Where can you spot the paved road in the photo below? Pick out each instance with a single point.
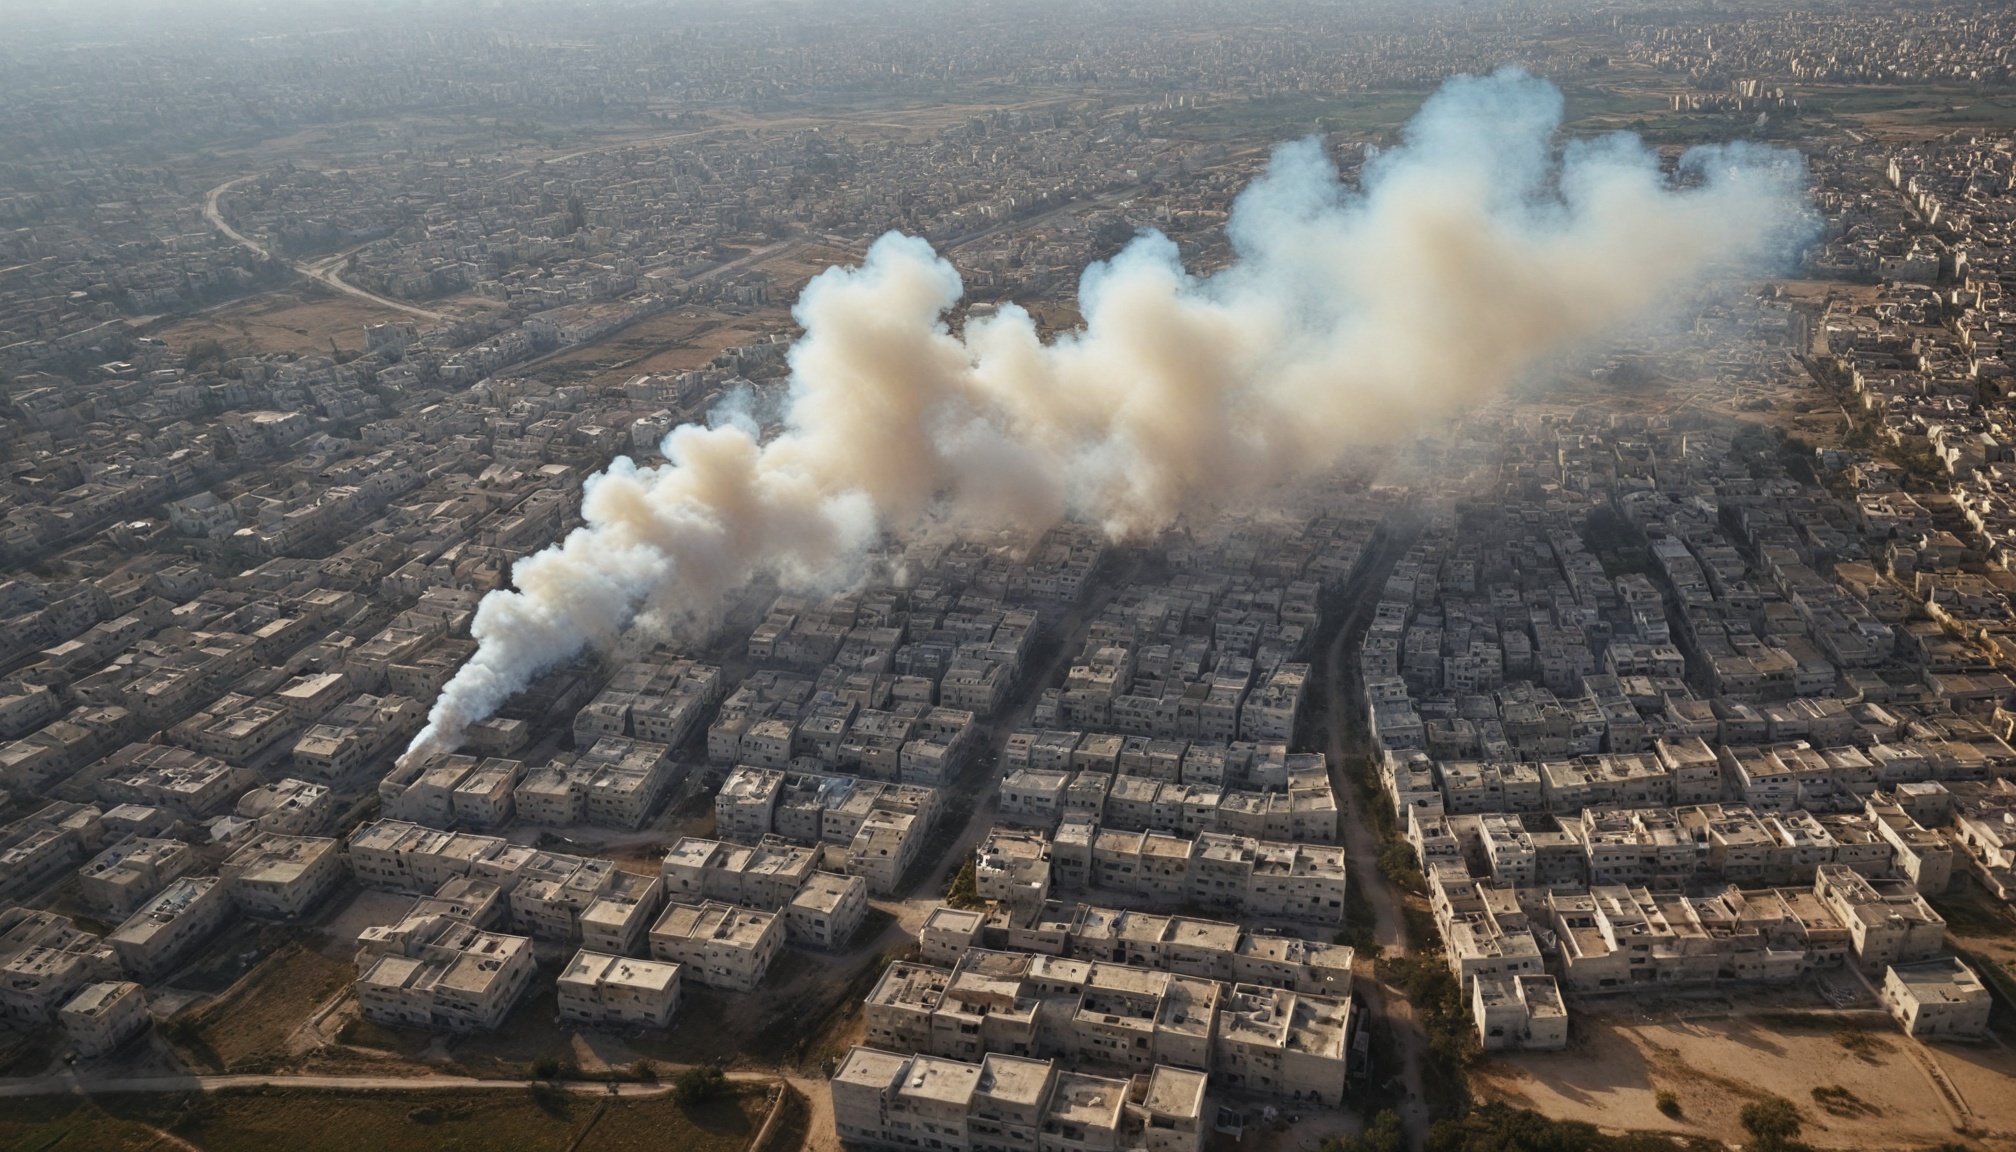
(1361, 845)
(322, 271)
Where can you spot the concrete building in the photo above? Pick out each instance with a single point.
(125, 875)
(288, 807)
(102, 1017)
(1518, 1012)
(44, 960)
(1006, 1103)
(444, 974)
(1936, 998)
(826, 911)
(1888, 921)
(173, 924)
(718, 945)
(615, 921)
(598, 988)
(281, 876)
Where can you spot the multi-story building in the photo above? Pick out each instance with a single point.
(281, 876)
(102, 1017)
(442, 973)
(169, 927)
(1007, 1103)
(718, 945)
(598, 988)
(826, 910)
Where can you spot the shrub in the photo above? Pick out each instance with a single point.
(698, 1085)
(1668, 1102)
(545, 1068)
(1773, 1122)
(1382, 1135)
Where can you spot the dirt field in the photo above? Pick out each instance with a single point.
(1864, 1088)
(253, 1025)
(310, 1121)
(677, 341)
(302, 318)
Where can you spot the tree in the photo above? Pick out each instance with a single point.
(1382, 1135)
(964, 891)
(1773, 1122)
(698, 1085)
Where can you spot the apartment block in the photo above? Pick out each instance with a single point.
(1935, 998)
(444, 974)
(172, 925)
(616, 990)
(281, 876)
(102, 1017)
(1005, 1103)
(718, 945)
(124, 876)
(826, 910)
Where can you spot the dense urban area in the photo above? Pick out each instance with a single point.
(1626, 763)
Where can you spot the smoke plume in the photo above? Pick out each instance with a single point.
(1470, 253)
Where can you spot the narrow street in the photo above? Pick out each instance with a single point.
(1351, 750)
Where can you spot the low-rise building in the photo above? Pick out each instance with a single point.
(1008, 1103)
(1519, 1012)
(289, 807)
(44, 960)
(718, 945)
(598, 988)
(103, 1016)
(169, 927)
(1933, 998)
(443, 973)
(826, 910)
(282, 876)
(125, 875)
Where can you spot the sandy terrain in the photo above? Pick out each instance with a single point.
(1715, 1061)
(300, 319)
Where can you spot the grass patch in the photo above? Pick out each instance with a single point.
(258, 1120)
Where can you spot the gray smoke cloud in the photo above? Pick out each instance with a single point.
(1469, 254)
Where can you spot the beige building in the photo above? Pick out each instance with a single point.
(1888, 921)
(616, 921)
(1005, 1103)
(1934, 998)
(718, 945)
(123, 876)
(445, 974)
(170, 926)
(598, 988)
(288, 807)
(1519, 1012)
(282, 876)
(826, 911)
(44, 960)
(1278, 1042)
(947, 933)
(1284, 1043)
(101, 1017)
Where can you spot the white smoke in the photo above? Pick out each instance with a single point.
(1471, 253)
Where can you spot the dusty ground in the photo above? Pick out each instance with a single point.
(1877, 1090)
(295, 319)
(678, 341)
